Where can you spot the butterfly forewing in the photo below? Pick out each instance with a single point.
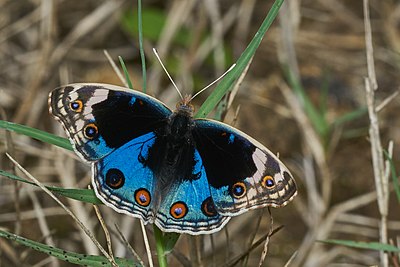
(241, 172)
(99, 118)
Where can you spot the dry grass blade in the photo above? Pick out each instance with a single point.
(243, 255)
(126, 243)
(116, 69)
(43, 225)
(271, 229)
(52, 57)
(105, 230)
(146, 243)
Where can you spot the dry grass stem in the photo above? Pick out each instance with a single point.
(116, 69)
(65, 168)
(43, 225)
(381, 176)
(146, 244)
(266, 243)
(128, 245)
(105, 230)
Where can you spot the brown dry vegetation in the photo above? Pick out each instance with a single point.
(44, 44)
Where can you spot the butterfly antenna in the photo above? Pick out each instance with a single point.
(169, 76)
(208, 86)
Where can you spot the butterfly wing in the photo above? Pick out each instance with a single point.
(113, 128)
(241, 172)
(124, 182)
(188, 207)
(99, 118)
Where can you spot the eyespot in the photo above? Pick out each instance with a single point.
(115, 178)
(268, 181)
(208, 207)
(178, 210)
(142, 197)
(90, 131)
(76, 106)
(238, 189)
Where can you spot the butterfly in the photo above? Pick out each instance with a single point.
(185, 175)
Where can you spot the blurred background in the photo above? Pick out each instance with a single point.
(316, 118)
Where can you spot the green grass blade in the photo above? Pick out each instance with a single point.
(153, 22)
(395, 179)
(225, 85)
(71, 257)
(362, 245)
(350, 116)
(128, 80)
(37, 134)
(84, 195)
(316, 117)
(160, 247)
(141, 50)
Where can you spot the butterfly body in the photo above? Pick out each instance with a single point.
(186, 175)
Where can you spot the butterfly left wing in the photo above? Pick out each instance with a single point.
(241, 172)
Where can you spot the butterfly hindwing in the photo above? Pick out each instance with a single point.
(99, 118)
(241, 172)
(188, 207)
(124, 182)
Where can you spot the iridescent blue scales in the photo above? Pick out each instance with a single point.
(185, 175)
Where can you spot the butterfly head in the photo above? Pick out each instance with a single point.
(185, 107)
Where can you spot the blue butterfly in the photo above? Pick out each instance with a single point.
(185, 175)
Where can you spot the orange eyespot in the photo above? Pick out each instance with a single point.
(90, 131)
(115, 178)
(178, 210)
(208, 207)
(142, 197)
(268, 182)
(238, 190)
(76, 106)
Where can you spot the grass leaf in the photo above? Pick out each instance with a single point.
(84, 195)
(71, 257)
(37, 134)
(225, 85)
(362, 245)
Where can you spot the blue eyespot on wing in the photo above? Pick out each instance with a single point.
(124, 182)
(241, 172)
(100, 118)
(189, 208)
